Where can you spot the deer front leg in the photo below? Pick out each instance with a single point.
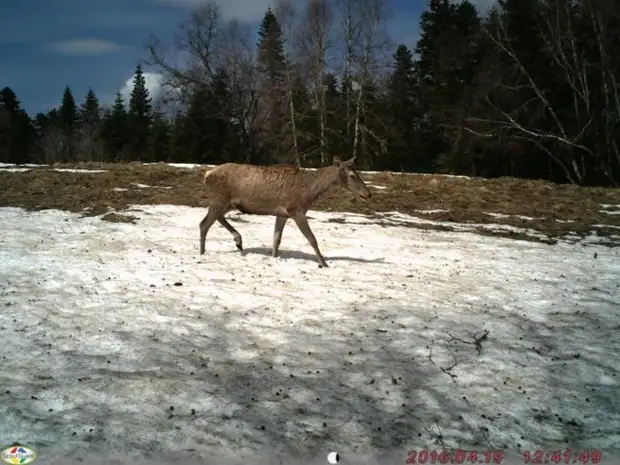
(304, 227)
(277, 234)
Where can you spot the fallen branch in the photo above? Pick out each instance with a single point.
(444, 370)
(476, 342)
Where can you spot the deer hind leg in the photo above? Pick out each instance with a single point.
(238, 241)
(277, 234)
(205, 225)
(304, 227)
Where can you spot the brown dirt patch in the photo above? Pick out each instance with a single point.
(117, 218)
(554, 210)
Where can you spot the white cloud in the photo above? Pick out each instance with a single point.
(83, 47)
(243, 10)
(153, 85)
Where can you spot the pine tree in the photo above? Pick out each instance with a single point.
(159, 139)
(68, 114)
(115, 129)
(90, 111)
(89, 140)
(139, 115)
(272, 66)
(403, 104)
(449, 60)
(335, 118)
(201, 137)
(434, 22)
(178, 140)
(17, 135)
(271, 49)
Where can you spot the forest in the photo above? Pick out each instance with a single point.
(528, 89)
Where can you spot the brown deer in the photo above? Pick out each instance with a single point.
(283, 191)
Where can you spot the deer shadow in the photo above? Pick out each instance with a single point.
(297, 255)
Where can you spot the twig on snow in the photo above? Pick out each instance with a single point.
(444, 370)
(476, 342)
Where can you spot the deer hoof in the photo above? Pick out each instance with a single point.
(240, 247)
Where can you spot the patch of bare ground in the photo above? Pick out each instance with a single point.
(117, 218)
(550, 209)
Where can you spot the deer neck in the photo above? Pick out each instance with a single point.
(321, 180)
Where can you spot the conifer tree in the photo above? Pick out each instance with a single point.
(271, 49)
(115, 129)
(17, 135)
(90, 111)
(89, 138)
(68, 114)
(159, 139)
(139, 115)
(403, 105)
(272, 66)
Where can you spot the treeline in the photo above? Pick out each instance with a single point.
(529, 89)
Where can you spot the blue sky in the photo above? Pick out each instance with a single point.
(47, 44)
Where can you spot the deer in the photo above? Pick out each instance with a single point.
(284, 191)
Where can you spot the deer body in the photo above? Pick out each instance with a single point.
(283, 191)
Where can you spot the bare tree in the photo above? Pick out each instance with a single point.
(350, 25)
(366, 51)
(314, 43)
(53, 143)
(89, 146)
(239, 61)
(205, 45)
(567, 140)
(287, 17)
(191, 59)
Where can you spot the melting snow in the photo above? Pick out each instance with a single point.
(26, 165)
(118, 337)
(428, 212)
(15, 170)
(145, 186)
(76, 170)
(610, 209)
(521, 217)
(190, 166)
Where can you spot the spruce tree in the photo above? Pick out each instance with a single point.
(159, 139)
(448, 51)
(139, 115)
(115, 129)
(431, 46)
(17, 135)
(178, 140)
(90, 129)
(403, 104)
(271, 49)
(68, 113)
(90, 111)
(272, 66)
(198, 127)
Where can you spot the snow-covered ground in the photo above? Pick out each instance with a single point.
(118, 338)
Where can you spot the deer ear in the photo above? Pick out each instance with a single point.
(337, 161)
